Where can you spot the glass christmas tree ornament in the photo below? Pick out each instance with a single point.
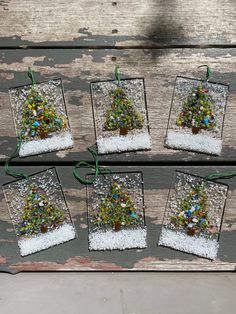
(39, 212)
(193, 215)
(116, 212)
(40, 117)
(197, 115)
(120, 115)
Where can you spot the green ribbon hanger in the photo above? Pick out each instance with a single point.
(117, 74)
(208, 71)
(85, 165)
(15, 154)
(31, 76)
(220, 175)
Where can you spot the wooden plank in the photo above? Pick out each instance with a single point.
(117, 23)
(78, 68)
(75, 255)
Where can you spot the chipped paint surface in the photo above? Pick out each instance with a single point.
(151, 263)
(78, 67)
(151, 25)
(152, 22)
(75, 255)
(73, 263)
(2, 260)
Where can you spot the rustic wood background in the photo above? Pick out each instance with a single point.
(82, 41)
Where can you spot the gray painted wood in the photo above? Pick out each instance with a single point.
(90, 35)
(85, 23)
(75, 255)
(78, 68)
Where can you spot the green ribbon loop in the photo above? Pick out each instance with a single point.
(208, 71)
(117, 74)
(85, 165)
(220, 175)
(7, 167)
(31, 76)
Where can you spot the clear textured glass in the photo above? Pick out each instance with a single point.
(120, 116)
(40, 117)
(39, 212)
(193, 215)
(197, 116)
(116, 216)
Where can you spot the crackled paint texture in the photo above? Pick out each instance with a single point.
(161, 23)
(75, 255)
(158, 41)
(78, 68)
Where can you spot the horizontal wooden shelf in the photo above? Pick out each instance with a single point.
(75, 254)
(148, 23)
(78, 68)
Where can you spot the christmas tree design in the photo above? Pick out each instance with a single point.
(192, 215)
(197, 112)
(117, 210)
(39, 215)
(122, 114)
(39, 118)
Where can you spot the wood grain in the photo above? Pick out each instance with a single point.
(117, 23)
(78, 68)
(82, 41)
(75, 255)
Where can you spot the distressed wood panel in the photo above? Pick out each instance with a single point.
(78, 68)
(75, 255)
(117, 23)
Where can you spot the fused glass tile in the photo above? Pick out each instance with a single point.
(116, 216)
(193, 215)
(120, 116)
(197, 116)
(39, 212)
(40, 117)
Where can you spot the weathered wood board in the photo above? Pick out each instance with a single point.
(117, 23)
(75, 254)
(82, 41)
(78, 68)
